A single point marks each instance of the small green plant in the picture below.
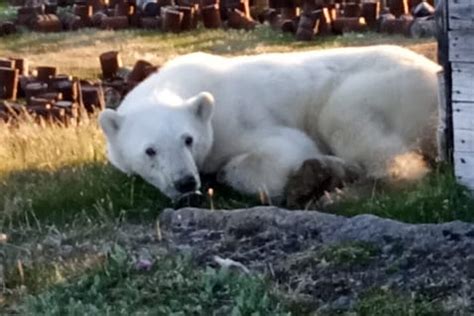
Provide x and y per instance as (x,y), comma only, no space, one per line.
(347,254)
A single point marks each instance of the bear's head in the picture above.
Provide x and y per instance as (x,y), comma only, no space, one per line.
(165,144)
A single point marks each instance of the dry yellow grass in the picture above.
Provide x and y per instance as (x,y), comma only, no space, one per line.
(77,52)
(31,146)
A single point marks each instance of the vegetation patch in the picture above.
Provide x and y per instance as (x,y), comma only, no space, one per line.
(171,286)
(382,303)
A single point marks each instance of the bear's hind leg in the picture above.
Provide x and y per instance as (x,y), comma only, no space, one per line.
(382,153)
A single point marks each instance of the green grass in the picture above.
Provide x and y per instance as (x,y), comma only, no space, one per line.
(173,286)
(53,175)
(437,198)
(94,190)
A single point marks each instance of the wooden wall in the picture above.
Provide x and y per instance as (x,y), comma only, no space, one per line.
(460,31)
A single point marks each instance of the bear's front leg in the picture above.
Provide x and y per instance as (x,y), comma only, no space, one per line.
(254,173)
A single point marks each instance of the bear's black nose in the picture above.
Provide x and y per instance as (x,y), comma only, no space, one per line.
(186,184)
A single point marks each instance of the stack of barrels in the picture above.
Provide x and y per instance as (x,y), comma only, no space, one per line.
(167,15)
(47,95)
(304,18)
(307,18)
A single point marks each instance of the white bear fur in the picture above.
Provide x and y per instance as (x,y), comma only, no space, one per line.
(265,115)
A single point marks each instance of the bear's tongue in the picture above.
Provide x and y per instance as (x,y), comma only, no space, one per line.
(189,199)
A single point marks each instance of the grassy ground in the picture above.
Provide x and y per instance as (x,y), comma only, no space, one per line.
(78,54)
(54,179)
(172,286)
(437,198)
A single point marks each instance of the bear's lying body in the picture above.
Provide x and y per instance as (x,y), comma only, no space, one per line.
(262,116)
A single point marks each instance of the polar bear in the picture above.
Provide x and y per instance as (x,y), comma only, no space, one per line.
(254,120)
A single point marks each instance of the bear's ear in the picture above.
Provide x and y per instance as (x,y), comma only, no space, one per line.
(202,106)
(110,122)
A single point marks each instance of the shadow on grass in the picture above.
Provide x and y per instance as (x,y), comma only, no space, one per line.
(94,190)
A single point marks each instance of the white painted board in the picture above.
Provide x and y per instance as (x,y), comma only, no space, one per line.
(464,168)
(463,82)
(464,140)
(461,45)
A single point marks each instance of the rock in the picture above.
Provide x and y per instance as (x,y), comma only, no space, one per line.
(423,27)
(342,303)
(333,259)
(52,241)
(66,250)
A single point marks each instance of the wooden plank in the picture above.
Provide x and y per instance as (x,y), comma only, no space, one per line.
(442,130)
(463,115)
(441,19)
(464,168)
(461,45)
(461,14)
(464,141)
(445,119)
(463,82)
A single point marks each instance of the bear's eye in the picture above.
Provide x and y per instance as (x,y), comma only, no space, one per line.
(188,140)
(151,152)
